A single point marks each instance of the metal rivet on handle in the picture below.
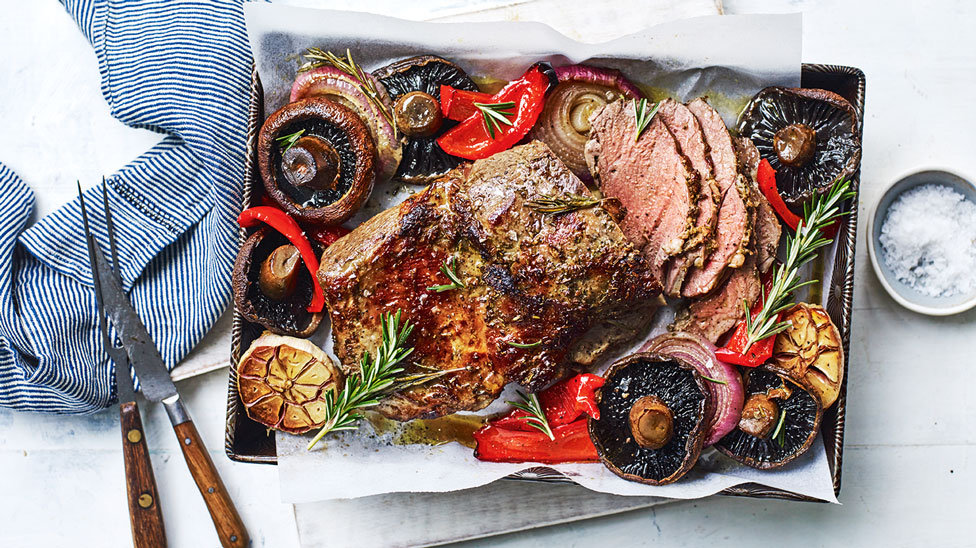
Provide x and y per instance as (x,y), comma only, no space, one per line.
(210,489)
(134,436)
(187,441)
(145,500)
(233,538)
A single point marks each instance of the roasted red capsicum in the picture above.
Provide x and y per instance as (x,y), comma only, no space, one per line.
(566,404)
(283,223)
(562,403)
(735,351)
(327,235)
(513,112)
(766,176)
(458,104)
(572,444)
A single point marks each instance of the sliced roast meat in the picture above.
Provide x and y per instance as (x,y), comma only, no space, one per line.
(530,278)
(654,182)
(687,131)
(766,227)
(713,315)
(734,215)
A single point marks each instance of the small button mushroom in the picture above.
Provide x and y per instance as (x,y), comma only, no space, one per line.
(418,114)
(279,272)
(759,416)
(795,144)
(312,162)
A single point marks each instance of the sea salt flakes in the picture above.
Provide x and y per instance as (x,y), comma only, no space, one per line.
(928,240)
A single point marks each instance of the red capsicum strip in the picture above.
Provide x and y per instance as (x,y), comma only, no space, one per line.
(471,139)
(572,444)
(563,403)
(766,176)
(458,104)
(760,351)
(328,235)
(283,223)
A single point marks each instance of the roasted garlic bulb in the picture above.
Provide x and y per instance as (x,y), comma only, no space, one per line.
(283,381)
(811,349)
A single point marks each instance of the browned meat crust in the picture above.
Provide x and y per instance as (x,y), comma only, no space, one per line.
(530,277)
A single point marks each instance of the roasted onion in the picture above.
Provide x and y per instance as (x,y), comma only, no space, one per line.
(723,380)
(338,86)
(564,124)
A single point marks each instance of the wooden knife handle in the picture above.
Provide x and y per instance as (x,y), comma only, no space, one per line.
(228,522)
(144,511)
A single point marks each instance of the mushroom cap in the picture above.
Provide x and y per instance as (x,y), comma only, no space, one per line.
(283,381)
(288,316)
(801,423)
(423,159)
(833,118)
(811,349)
(341,128)
(638,377)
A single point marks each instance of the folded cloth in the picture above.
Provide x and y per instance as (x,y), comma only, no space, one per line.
(178,67)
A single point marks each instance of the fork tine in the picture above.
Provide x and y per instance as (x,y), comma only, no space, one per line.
(111,230)
(89,239)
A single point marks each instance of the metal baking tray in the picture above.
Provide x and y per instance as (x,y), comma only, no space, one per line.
(248,441)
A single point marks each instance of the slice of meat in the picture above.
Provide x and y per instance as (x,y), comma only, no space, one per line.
(734,214)
(530,278)
(687,131)
(652,179)
(713,315)
(766,227)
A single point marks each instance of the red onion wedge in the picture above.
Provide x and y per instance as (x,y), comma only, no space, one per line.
(336,85)
(564,124)
(723,379)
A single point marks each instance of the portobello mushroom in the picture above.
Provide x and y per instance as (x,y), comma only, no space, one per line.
(272,287)
(317,160)
(652,418)
(414,86)
(780,420)
(283,383)
(809,136)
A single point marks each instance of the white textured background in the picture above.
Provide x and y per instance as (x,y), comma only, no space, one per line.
(909,457)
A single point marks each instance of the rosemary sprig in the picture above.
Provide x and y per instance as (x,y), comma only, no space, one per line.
(376,378)
(494,114)
(524,345)
(319,58)
(415,379)
(643,116)
(289,140)
(537,417)
(801,248)
(556,204)
(779,434)
(448,270)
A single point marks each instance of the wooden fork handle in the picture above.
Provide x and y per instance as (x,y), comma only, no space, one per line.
(145,514)
(224,514)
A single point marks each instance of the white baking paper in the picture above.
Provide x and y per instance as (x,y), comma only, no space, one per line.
(727,58)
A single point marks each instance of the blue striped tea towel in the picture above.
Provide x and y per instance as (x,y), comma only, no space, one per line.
(181,68)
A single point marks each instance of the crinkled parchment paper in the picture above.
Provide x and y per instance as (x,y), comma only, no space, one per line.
(727,58)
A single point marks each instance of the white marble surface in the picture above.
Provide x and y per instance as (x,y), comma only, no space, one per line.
(909,471)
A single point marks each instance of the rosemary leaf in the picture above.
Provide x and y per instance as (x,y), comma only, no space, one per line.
(780,433)
(524,345)
(716,381)
(448,270)
(289,140)
(643,116)
(556,205)
(537,417)
(494,114)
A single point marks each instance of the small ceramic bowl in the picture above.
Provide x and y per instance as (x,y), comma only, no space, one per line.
(899,291)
